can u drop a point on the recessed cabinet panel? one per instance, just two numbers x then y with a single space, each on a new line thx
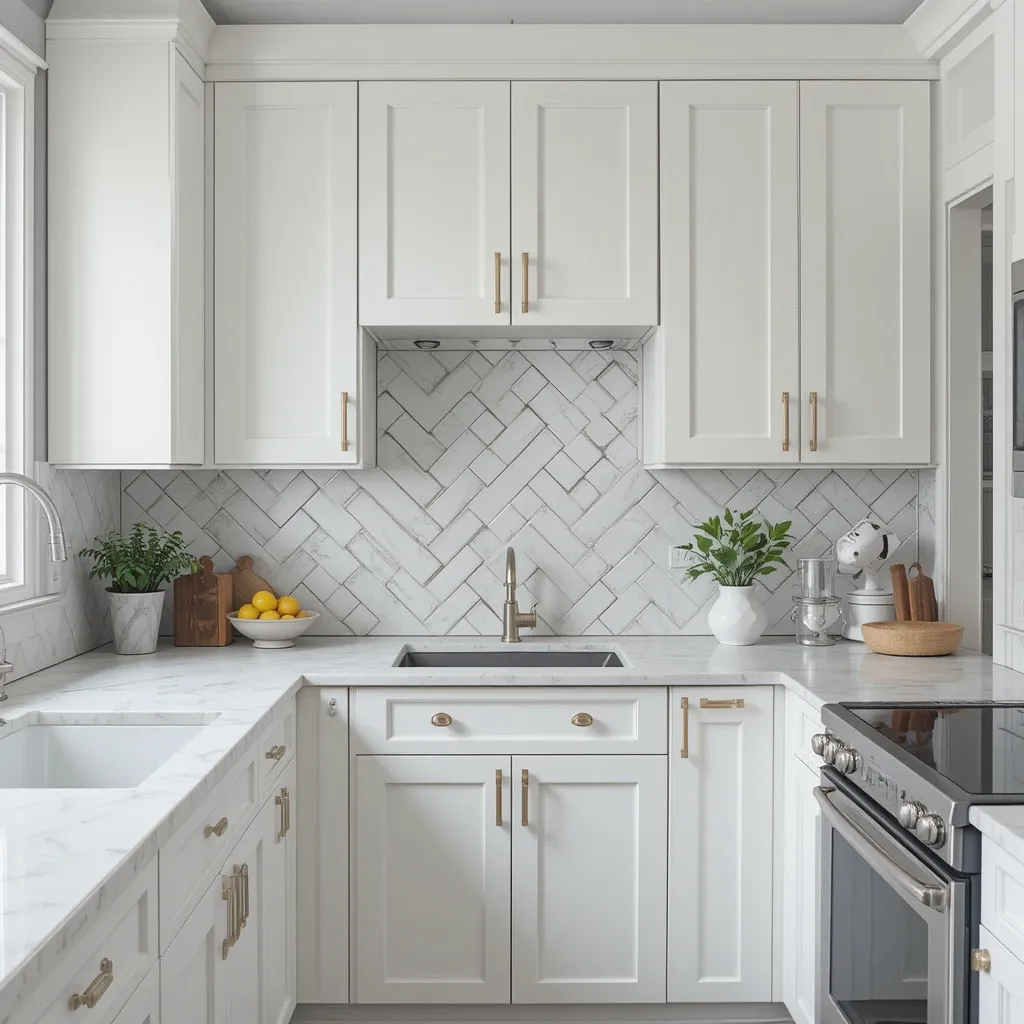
432 880
585 203
434 202
729 271
287 347
865 271
588 879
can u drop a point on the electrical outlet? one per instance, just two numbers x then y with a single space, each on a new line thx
678 558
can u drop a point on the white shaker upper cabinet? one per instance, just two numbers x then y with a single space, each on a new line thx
588 879
730 340
288 354
585 203
434 203
865 218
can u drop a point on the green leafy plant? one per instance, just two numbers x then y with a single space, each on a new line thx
735 553
141 561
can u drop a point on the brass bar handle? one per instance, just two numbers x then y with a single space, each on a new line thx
526 798
245 897
94 993
684 748
583 720
344 421
497 282
287 812
281 800
735 702
227 893
498 817
785 421
441 720
526 282
216 830
814 422
276 752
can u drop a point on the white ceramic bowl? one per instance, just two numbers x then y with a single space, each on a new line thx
273 632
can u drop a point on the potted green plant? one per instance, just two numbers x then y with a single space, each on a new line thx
138 564
735 549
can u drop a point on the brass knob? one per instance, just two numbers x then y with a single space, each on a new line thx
981 961
583 720
441 719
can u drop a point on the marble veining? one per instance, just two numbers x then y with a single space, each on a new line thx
66 856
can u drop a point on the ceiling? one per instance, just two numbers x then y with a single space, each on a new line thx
560 12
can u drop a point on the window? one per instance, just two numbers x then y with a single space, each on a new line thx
21 561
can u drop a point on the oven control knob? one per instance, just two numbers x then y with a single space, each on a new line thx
831 750
818 741
931 830
848 761
911 812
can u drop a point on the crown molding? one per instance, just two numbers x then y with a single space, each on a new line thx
939 25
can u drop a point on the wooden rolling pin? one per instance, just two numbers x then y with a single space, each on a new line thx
900 591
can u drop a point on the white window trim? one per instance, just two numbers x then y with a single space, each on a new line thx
18 67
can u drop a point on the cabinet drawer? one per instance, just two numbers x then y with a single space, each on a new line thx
1002 897
523 720
144 1005
195 853
275 749
802 722
108 964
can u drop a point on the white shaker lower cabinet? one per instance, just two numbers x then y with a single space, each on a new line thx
292 368
721 799
588 879
278 902
865 226
1001 988
432 891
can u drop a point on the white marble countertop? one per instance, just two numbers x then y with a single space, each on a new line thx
1003 825
65 855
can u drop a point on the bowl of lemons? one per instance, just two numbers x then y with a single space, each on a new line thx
272 622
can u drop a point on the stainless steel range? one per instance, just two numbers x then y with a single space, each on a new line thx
900 861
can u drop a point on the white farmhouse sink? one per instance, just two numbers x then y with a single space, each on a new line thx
50 756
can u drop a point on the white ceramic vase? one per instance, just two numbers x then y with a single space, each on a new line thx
136 621
737 618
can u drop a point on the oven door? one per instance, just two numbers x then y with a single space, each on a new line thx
895 925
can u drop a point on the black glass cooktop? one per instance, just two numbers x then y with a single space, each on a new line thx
977 746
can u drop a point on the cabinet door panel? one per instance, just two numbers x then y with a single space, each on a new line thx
585 202
432 880
588 880
434 202
1001 990
277 902
729 181
720 828
286 339
865 171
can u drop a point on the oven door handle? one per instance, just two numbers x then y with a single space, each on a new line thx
932 896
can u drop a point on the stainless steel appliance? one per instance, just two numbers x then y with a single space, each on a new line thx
900 861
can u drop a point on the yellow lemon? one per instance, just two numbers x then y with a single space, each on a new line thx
247 612
288 605
264 601
269 614
303 614
283 617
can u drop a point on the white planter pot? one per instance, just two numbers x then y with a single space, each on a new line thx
136 621
737 618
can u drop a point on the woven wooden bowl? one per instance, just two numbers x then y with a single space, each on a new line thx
913 639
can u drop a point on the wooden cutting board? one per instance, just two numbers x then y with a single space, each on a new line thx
201 605
245 583
923 606
900 591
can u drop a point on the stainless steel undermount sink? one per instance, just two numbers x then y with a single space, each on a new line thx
510 659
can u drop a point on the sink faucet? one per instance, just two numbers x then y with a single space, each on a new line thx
513 619
58 549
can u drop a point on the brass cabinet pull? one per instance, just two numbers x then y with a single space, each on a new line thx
497 799
526 282
227 893
814 422
282 801
94 993
287 812
981 961
526 797
497 282
684 748
344 421
735 702
785 421
216 830
245 894
441 720
583 720
275 753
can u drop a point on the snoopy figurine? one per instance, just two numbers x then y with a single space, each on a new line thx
861 554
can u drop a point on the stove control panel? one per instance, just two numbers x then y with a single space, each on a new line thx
836 753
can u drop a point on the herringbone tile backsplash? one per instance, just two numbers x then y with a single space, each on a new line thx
479 450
